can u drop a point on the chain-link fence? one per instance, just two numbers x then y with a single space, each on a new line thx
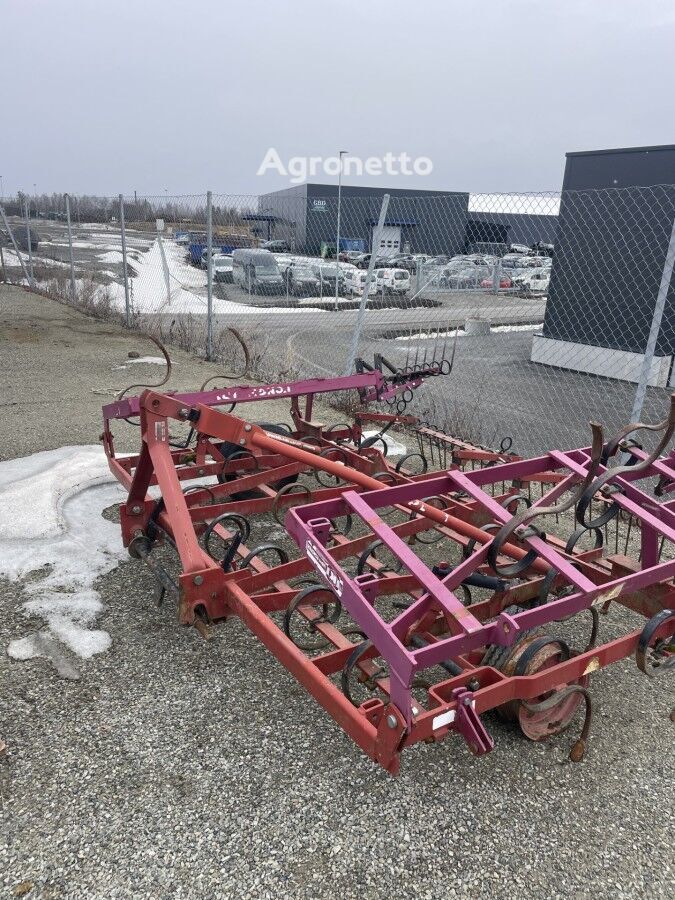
558 309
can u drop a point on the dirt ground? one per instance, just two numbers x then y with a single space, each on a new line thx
175 767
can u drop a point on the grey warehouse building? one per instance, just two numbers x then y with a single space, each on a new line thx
433 222
615 226
421 221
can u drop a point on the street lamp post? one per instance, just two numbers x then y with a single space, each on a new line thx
337 239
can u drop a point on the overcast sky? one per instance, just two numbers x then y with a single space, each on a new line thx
103 96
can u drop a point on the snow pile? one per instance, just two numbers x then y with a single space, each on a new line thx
187 286
54 539
111 256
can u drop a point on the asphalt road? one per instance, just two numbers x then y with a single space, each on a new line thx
176 767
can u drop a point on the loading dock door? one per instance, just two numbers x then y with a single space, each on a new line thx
390 243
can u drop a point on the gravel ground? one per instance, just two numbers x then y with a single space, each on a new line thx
176 767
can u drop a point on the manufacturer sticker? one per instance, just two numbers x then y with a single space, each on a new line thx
322 567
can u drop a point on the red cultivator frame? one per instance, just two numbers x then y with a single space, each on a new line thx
390 641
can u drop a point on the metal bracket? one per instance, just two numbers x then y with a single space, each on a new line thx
468 723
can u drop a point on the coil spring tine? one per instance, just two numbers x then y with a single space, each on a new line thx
445 344
438 331
417 352
628 531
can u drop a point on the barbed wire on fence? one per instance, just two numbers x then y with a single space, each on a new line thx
561 306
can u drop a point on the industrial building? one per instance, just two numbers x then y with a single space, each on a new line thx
432 222
610 251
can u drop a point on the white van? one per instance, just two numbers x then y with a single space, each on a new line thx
256 271
393 281
221 266
355 281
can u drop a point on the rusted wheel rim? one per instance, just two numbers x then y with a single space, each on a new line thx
537 725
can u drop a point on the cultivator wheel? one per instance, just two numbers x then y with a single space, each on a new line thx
655 653
548 714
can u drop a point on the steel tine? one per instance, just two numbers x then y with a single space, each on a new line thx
454 348
407 356
438 331
417 352
445 344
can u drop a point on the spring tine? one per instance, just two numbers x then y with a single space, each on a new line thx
454 348
417 353
407 355
445 344
438 331
424 360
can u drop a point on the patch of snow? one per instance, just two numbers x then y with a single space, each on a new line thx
495 329
150 360
112 256
52 530
394 448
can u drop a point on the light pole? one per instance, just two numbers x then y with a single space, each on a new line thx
341 153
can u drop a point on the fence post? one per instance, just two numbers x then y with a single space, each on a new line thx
496 275
366 287
165 265
209 275
30 251
127 303
70 248
16 249
654 329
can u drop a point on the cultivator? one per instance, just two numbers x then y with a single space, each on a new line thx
419 600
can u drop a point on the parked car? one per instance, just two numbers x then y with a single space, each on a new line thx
404 261
504 283
205 253
355 282
392 281
542 249
326 274
276 246
534 280
363 261
514 261
256 271
463 277
350 256
222 266
301 280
